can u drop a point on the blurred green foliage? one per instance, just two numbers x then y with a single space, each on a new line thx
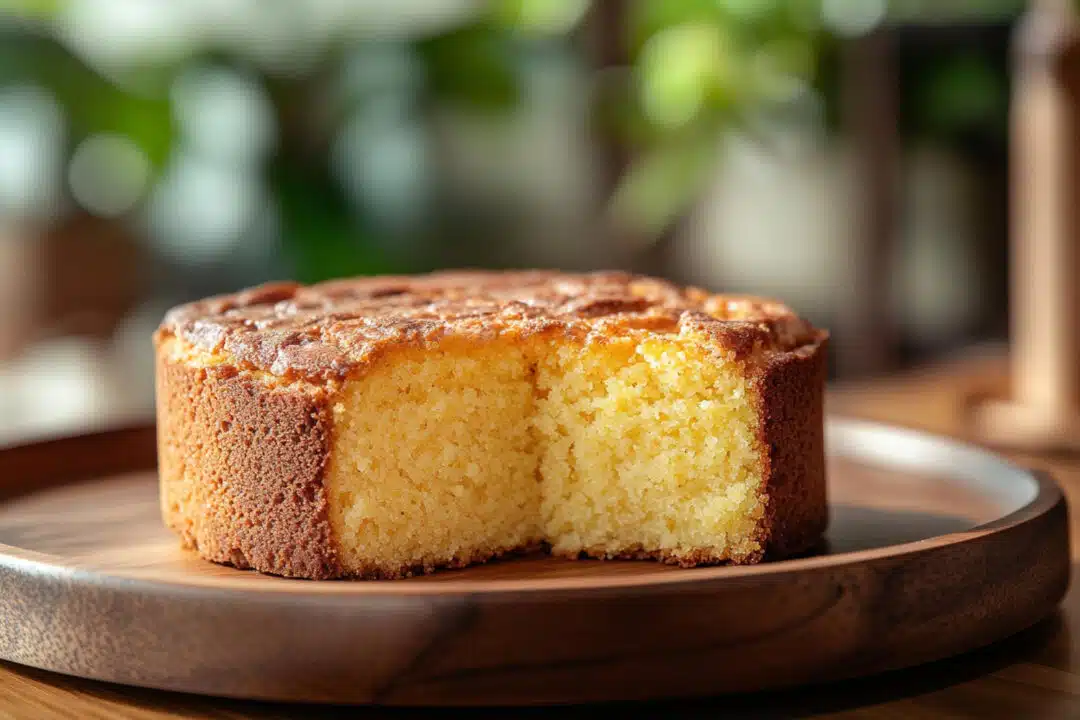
696 69
471 66
91 103
701 68
963 94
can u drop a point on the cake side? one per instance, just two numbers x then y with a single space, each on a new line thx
241 467
791 388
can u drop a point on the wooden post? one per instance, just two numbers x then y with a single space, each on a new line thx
1044 408
867 344
605 37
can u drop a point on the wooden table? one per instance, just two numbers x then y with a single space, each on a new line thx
1035 674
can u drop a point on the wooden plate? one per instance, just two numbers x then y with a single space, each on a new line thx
935 548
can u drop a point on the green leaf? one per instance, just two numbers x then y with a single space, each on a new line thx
964 94
646 18
471 66
682 67
665 179
539 17
320 237
33 8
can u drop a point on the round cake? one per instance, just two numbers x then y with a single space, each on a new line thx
380 427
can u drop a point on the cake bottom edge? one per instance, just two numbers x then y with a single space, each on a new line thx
684 560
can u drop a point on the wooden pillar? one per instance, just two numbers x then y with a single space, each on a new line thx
867 340
608 52
1043 410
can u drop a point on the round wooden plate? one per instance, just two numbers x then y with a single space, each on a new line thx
935 548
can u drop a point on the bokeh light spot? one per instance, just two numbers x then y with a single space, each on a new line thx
679 66
853 17
108 174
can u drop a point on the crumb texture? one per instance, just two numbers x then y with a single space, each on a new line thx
649 445
434 462
618 448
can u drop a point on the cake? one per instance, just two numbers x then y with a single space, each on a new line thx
381 427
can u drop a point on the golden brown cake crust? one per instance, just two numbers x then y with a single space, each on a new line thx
329 330
256 456
791 388
257 451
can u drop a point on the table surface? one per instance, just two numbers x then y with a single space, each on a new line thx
1034 674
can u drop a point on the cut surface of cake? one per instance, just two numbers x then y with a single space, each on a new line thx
380 427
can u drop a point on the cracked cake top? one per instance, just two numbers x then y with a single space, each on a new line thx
333 328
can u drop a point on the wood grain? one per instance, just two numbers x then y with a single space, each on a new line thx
95 586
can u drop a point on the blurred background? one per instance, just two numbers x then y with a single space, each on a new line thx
848 156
